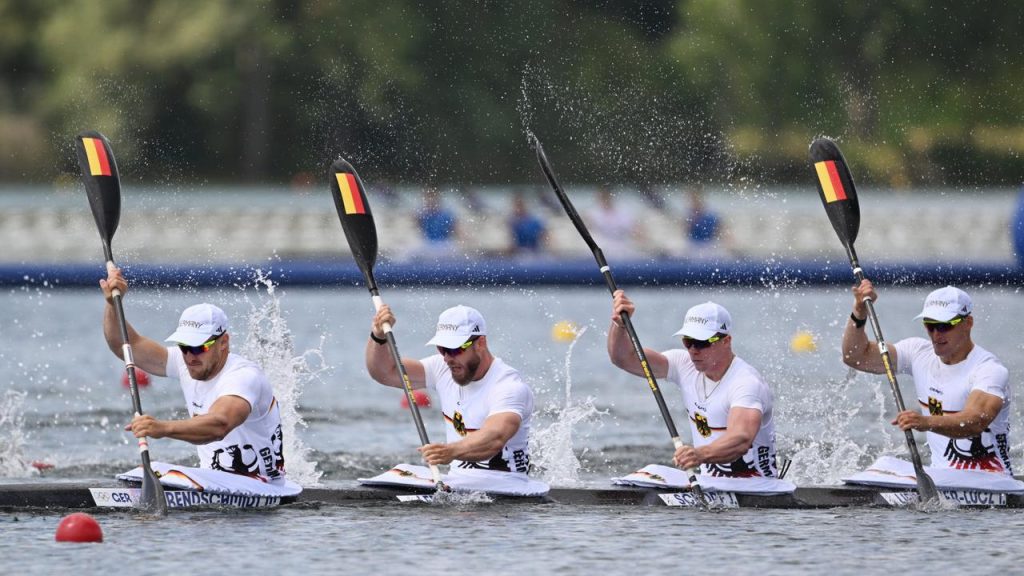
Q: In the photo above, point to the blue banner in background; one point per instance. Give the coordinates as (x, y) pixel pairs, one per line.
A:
(503, 272)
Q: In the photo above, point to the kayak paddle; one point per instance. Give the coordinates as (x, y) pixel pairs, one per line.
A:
(361, 233)
(610, 281)
(103, 186)
(839, 195)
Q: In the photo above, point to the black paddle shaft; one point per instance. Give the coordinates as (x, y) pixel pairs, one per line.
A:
(406, 383)
(129, 363)
(890, 370)
(129, 358)
(609, 280)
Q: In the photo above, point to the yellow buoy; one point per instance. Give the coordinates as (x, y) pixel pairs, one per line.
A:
(803, 341)
(564, 331)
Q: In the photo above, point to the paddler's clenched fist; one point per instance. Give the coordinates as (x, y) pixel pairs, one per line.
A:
(382, 317)
(687, 457)
(437, 453)
(620, 304)
(145, 426)
(114, 281)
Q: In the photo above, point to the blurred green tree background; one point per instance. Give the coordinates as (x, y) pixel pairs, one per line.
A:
(620, 91)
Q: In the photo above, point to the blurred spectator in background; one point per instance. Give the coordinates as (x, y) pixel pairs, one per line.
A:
(438, 227)
(1017, 229)
(469, 199)
(706, 235)
(528, 232)
(651, 196)
(386, 192)
(614, 228)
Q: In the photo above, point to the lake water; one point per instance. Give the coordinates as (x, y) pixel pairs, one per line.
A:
(63, 404)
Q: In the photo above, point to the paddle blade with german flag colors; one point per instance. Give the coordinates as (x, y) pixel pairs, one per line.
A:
(835, 186)
(356, 218)
(99, 172)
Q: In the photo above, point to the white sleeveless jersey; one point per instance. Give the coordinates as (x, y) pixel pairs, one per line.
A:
(943, 389)
(255, 448)
(708, 404)
(466, 408)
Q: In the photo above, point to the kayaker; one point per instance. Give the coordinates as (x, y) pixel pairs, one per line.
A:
(487, 406)
(730, 406)
(234, 419)
(962, 389)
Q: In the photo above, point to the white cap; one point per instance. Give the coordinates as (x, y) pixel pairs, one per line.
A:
(456, 325)
(198, 324)
(704, 321)
(945, 304)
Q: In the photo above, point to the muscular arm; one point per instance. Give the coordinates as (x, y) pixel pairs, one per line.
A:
(978, 413)
(741, 429)
(381, 364)
(858, 351)
(226, 414)
(620, 347)
(149, 355)
(862, 354)
(478, 445)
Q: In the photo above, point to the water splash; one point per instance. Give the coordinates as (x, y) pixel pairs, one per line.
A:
(442, 498)
(12, 436)
(269, 344)
(641, 138)
(551, 447)
(825, 459)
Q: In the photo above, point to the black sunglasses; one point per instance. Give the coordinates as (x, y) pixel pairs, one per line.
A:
(453, 352)
(942, 327)
(202, 348)
(700, 344)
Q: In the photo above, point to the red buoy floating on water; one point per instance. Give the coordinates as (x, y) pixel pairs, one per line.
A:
(41, 466)
(422, 399)
(79, 527)
(141, 378)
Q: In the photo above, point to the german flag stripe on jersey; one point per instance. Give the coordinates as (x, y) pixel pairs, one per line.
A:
(449, 420)
(350, 196)
(99, 164)
(185, 477)
(831, 184)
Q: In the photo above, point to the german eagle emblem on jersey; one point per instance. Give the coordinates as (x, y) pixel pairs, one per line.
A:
(458, 423)
(701, 422)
